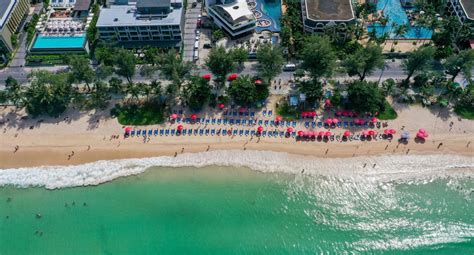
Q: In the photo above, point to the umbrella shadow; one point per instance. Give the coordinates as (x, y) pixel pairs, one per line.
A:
(419, 140)
(441, 112)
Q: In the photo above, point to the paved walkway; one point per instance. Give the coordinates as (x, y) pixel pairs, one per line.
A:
(190, 26)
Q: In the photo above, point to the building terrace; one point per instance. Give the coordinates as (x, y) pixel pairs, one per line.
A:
(323, 10)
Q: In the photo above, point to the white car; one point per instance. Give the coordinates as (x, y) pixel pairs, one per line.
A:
(198, 32)
(197, 37)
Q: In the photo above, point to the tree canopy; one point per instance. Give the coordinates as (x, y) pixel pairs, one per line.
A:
(313, 90)
(174, 69)
(220, 63)
(270, 61)
(318, 57)
(364, 61)
(418, 60)
(460, 63)
(80, 69)
(197, 92)
(365, 97)
(125, 63)
(244, 92)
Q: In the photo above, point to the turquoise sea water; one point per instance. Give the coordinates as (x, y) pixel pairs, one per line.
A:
(59, 42)
(223, 210)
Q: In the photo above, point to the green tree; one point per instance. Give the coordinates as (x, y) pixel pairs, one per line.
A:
(365, 97)
(240, 55)
(134, 91)
(197, 92)
(152, 56)
(460, 63)
(116, 85)
(389, 87)
(147, 71)
(364, 61)
(80, 70)
(99, 96)
(48, 93)
(243, 91)
(270, 61)
(399, 32)
(125, 63)
(174, 69)
(417, 61)
(105, 54)
(220, 63)
(313, 90)
(318, 57)
(14, 92)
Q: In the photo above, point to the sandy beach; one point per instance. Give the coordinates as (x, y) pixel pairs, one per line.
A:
(77, 138)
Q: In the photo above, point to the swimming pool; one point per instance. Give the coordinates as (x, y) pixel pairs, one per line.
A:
(271, 10)
(395, 13)
(59, 42)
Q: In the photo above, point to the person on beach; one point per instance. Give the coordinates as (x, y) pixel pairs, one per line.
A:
(208, 147)
(16, 148)
(182, 150)
(440, 144)
(88, 147)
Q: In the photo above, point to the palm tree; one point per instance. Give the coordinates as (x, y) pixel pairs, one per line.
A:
(133, 90)
(400, 31)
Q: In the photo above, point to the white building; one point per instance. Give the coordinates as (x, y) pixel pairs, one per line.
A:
(146, 22)
(319, 14)
(233, 16)
(463, 9)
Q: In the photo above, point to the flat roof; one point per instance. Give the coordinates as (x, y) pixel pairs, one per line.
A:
(82, 5)
(468, 6)
(126, 15)
(329, 10)
(6, 7)
(152, 3)
(237, 9)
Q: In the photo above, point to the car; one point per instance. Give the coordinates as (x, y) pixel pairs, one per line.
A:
(207, 46)
(194, 4)
(196, 45)
(289, 67)
(198, 32)
(197, 37)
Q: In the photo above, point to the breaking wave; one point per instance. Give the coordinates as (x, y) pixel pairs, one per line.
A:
(368, 169)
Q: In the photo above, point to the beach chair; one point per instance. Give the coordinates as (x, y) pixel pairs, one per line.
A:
(246, 114)
(234, 113)
(252, 114)
(196, 131)
(155, 132)
(225, 121)
(201, 132)
(219, 121)
(306, 124)
(293, 134)
(237, 122)
(150, 132)
(272, 123)
(282, 134)
(162, 131)
(213, 121)
(244, 122)
(260, 122)
(231, 121)
(224, 132)
(241, 132)
(178, 120)
(208, 121)
(198, 120)
(144, 132)
(294, 124)
(351, 124)
(190, 131)
(188, 120)
(184, 132)
(266, 123)
(173, 131)
(180, 111)
(252, 133)
(282, 123)
(264, 113)
(251, 122)
(167, 132)
(270, 113)
(270, 133)
(225, 113)
(346, 124)
(213, 132)
(132, 134)
(207, 131)
(234, 132)
(313, 124)
(339, 124)
(320, 124)
(264, 133)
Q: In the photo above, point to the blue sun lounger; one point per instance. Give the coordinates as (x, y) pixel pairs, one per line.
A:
(313, 124)
(225, 113)
(213, 132)
(270, 133)
(196, 131)
(244, 122)
(178, 120)
(180, 111)
(247, 132)
(270, 113)
(241, 132)
(208, 121)
(224, 132)
(282, 134)
(190, 131)
(339, 124)
(132, 133)
(219, 121)
(264, 133)
(293, 134)
(231, 121)
(167, 132)
(173, 131)
(155, 133)
(246, 114)
(306, 124)
(201, 132)
(184, 132)
(150, 132)
(294, 124)
(234, 113)
(346, 124)
(264, 113)
(252, 114)
(272, 123)
(162, 131)
(237, 122)
(226, 121)
(252, 133)
(207, 131)
(144, 132)
(320, 124)
(260, 122)
(266, 123)
(234, 132)
(213, 121)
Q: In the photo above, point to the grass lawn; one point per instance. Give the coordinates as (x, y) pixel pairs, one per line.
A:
(464, 112)
(146, 114)
(388, 114)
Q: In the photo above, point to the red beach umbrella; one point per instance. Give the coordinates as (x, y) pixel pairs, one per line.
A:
(259, 129)
(174, 116)
(221, 106)
(289, 130)
(242, 109)
(207, 76)
(347, 133)
(421, 130)
(128, 130)
(180, 128)
(194, 116)
(371, 132)
(328, 121)
(304, 114)
(387, 132)
(279, 118)
(327, 103)
(392, 131)
(232, 77)
(258, 82)
(327, 133)
(321, 133)
(374, 120)
(335, 121)
(313, 114)
(365, 133)
(300, 133)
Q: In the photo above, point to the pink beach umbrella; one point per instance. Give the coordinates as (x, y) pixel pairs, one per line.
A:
(374, 120)
(300, 133)
(207, 76)
(304, 114)
(327, 103)
(259, 129)
(279, 118)
(328, 133)
(289, 130)
(221, 106)
(335, 121)
(193, 117)
(180, 128)
(328, 121)
(128, 130)
(258, 82)
(174, 116)
(347, 133)
(232, 77)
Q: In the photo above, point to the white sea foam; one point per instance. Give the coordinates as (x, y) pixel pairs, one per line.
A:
(388, 168)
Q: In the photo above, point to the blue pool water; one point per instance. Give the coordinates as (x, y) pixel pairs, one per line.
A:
(271, 10)
(395, 13)
(59, 42)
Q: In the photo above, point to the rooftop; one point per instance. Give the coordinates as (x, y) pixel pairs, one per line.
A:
(237, 9)
(468, 7)
(329, 10)
(126, 15)
(82, 5)
(153, 3)
(6, 7)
